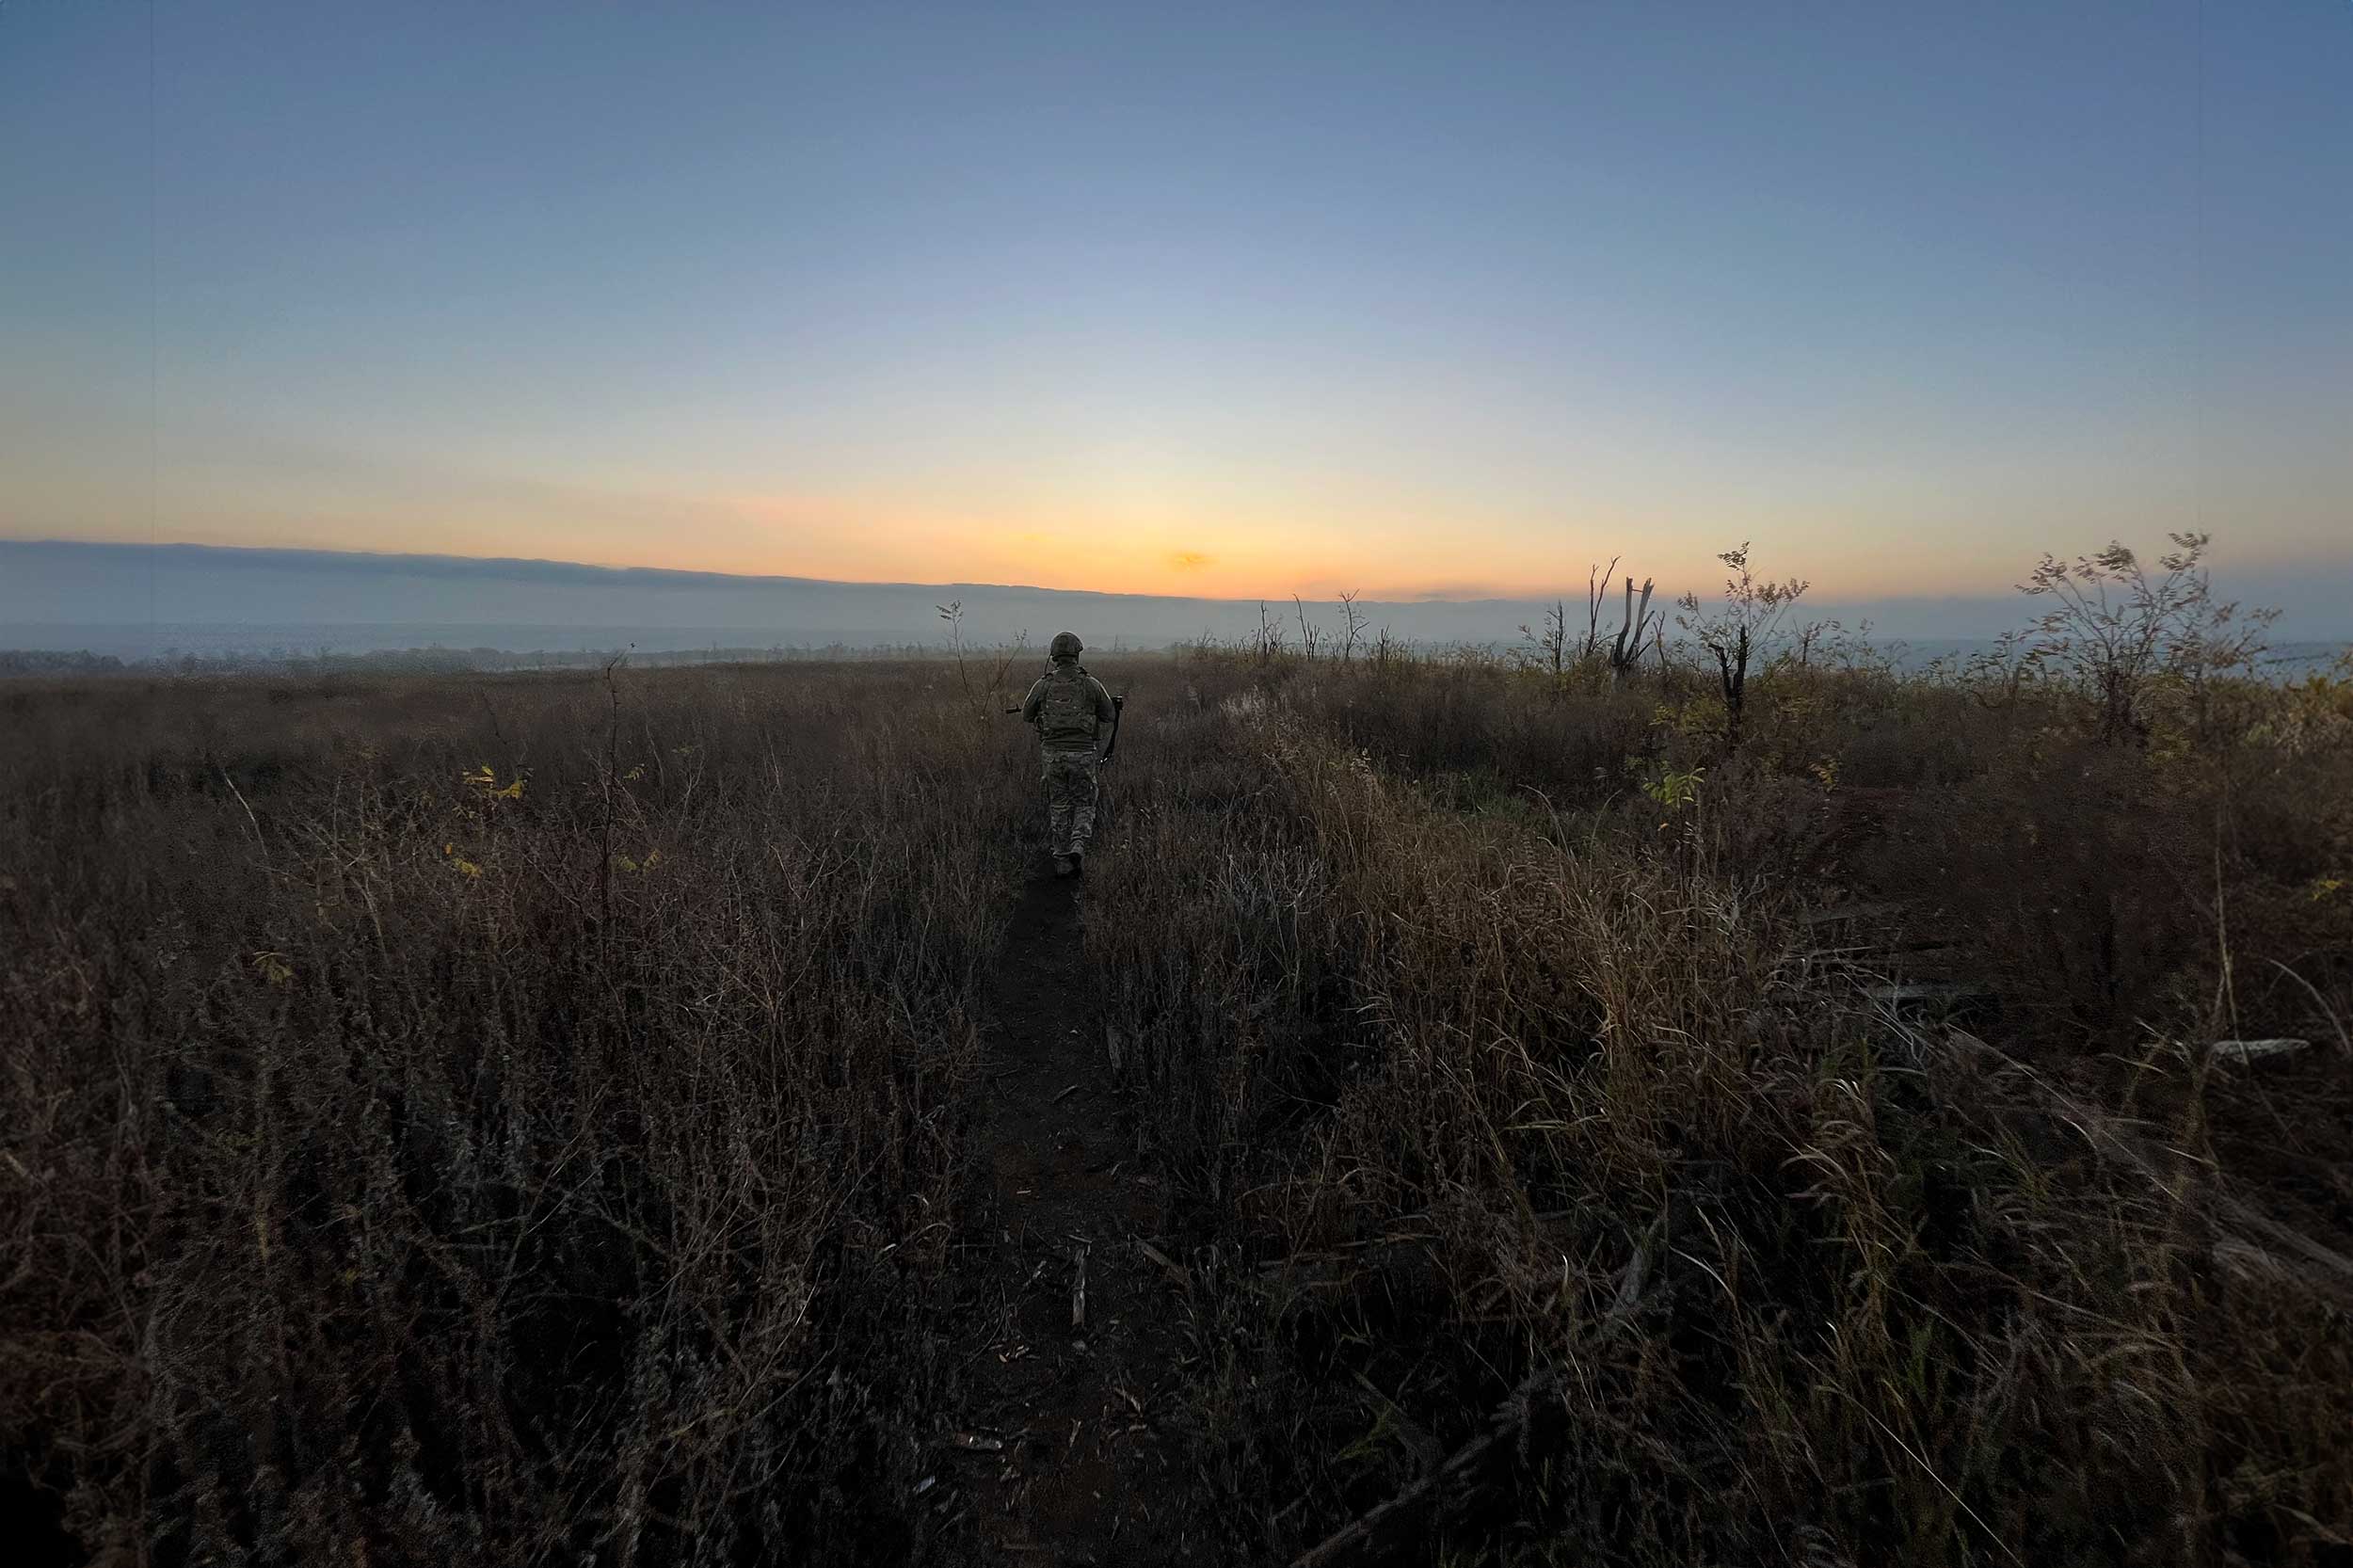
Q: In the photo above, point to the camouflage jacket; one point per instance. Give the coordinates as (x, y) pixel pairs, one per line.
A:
(1068, 706)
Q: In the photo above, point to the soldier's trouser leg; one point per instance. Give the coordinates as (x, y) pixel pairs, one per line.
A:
(1057, 809)
(1069, 800)
(1082, 804)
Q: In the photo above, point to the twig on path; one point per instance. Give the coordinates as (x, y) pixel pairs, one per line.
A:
(1064, 1095)
(1175, 1271)
(1078, 1292)
(1503, 1425)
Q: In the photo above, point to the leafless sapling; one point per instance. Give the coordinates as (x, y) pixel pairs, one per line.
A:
(1733, 632)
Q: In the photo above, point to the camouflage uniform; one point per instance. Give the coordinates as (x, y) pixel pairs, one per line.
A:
(1069, 708)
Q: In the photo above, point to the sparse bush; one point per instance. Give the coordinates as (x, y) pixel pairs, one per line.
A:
(2114, 632)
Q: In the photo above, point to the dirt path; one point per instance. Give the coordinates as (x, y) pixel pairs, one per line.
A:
(1062, 1456)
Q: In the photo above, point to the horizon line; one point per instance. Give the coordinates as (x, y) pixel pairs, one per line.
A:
(683, 576)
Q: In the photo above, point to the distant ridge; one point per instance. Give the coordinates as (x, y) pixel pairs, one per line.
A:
(53, 587)
(479, 567)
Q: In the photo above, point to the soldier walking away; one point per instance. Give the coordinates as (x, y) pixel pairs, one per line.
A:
(1070, 709)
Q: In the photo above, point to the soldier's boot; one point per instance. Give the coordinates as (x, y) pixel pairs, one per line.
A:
(1061, 865)
(1077, 862)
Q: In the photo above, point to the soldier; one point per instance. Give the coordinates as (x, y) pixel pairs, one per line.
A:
(1069, 708)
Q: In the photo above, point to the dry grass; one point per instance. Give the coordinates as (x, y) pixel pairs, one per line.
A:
(401, 1165)
(396, 1159)
(1486, 1075)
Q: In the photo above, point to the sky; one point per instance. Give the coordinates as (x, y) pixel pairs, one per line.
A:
(1440, 300)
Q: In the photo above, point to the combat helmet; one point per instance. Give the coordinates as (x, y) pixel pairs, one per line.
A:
(1065, 646)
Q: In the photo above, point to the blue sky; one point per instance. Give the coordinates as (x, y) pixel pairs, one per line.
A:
(1423, 299)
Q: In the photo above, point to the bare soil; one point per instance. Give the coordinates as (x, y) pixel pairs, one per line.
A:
(1062, 1456)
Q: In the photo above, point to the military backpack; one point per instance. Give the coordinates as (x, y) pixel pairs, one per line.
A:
(1065, 710)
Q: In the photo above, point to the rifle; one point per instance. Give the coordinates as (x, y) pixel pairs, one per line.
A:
(1119, 706)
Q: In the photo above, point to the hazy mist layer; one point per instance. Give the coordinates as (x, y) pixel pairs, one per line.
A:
(136, 599)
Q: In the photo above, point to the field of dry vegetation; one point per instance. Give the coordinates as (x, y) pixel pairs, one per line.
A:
(526, 1118)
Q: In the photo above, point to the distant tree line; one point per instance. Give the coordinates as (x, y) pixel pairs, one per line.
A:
(445, 661)
(43, 661)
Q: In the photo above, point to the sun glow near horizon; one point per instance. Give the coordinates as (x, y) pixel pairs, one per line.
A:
(1139, 545)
